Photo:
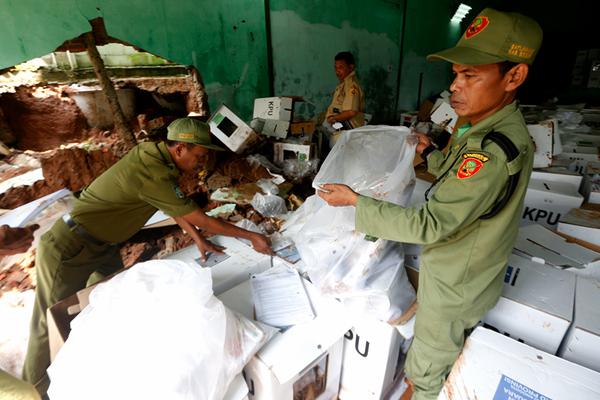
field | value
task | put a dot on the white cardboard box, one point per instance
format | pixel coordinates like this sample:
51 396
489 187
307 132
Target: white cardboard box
546 201
274 108
581 224
558 174
543 137
242 263
290 358
371 355
231 130
546 247
492 366
283 151
536 305
582 342
238 390
444 115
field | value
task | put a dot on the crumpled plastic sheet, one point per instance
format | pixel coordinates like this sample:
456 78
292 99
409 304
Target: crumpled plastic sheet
268 205
367 274
155 331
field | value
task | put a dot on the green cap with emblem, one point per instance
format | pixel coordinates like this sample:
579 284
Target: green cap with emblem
494 37
190 130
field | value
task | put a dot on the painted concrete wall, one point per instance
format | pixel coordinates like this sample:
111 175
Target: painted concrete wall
227 41
428 29
224 39
307 35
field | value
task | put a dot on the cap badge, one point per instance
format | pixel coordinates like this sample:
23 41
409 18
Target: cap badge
478 25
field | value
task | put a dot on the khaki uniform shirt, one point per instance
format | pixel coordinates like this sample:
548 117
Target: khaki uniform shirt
464 257
348 96
118 203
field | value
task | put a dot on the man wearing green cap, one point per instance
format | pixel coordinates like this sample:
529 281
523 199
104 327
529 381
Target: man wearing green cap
83 246
469 224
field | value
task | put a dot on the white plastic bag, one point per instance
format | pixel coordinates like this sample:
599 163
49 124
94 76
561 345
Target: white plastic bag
367 274
154 332
268 205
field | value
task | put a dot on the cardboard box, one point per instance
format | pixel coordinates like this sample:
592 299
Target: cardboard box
558 174
285 151
231 130
275 128
242 263
492 366
546 201
546 247
581 224
594 75
582 342
536 305
372 351
302 127
408 118
274 108
444 115
304 358
542 135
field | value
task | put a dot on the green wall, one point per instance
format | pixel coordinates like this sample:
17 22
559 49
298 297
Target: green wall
227 41
307 36
428 29
224 39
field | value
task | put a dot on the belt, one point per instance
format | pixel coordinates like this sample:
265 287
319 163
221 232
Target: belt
80 231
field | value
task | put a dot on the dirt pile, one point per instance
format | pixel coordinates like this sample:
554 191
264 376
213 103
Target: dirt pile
72 168
42 117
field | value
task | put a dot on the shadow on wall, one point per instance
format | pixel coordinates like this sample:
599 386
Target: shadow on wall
379 96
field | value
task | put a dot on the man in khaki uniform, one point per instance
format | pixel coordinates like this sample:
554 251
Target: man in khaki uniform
348 103
469 225
83 247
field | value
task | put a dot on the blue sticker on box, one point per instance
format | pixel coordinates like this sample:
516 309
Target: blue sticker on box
509 389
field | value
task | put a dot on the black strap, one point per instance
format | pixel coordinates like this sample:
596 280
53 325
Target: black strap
511 152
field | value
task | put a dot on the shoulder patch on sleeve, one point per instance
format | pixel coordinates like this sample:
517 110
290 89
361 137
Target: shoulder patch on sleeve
472 164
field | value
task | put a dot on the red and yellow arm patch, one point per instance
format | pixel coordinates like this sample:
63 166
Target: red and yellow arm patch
472 164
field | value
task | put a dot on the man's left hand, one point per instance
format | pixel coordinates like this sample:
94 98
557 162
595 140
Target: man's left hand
337 195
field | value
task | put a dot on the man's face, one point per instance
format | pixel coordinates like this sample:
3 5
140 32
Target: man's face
342 69
194 158
478 91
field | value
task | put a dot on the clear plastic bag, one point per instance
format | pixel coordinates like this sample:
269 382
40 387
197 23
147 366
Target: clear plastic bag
367 275
268 205
154 332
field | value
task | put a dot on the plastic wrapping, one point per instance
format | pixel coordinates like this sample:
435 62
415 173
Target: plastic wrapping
154 332
298 169
268 205
267 186
367 274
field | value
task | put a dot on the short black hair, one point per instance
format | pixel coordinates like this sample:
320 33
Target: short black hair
506 66
345 56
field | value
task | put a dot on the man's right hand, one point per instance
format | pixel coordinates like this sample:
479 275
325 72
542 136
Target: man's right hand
262 244
424 142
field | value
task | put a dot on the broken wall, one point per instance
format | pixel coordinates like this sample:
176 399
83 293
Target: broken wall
227 42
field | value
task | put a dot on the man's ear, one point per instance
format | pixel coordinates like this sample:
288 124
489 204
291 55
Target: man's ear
515 77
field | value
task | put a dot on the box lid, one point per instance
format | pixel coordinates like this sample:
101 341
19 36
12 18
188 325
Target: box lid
289 352
580 217
587 312
543 245
539 286
492 366
557 189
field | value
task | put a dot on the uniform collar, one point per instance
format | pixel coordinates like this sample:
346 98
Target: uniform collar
490 121
350 76
164 152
